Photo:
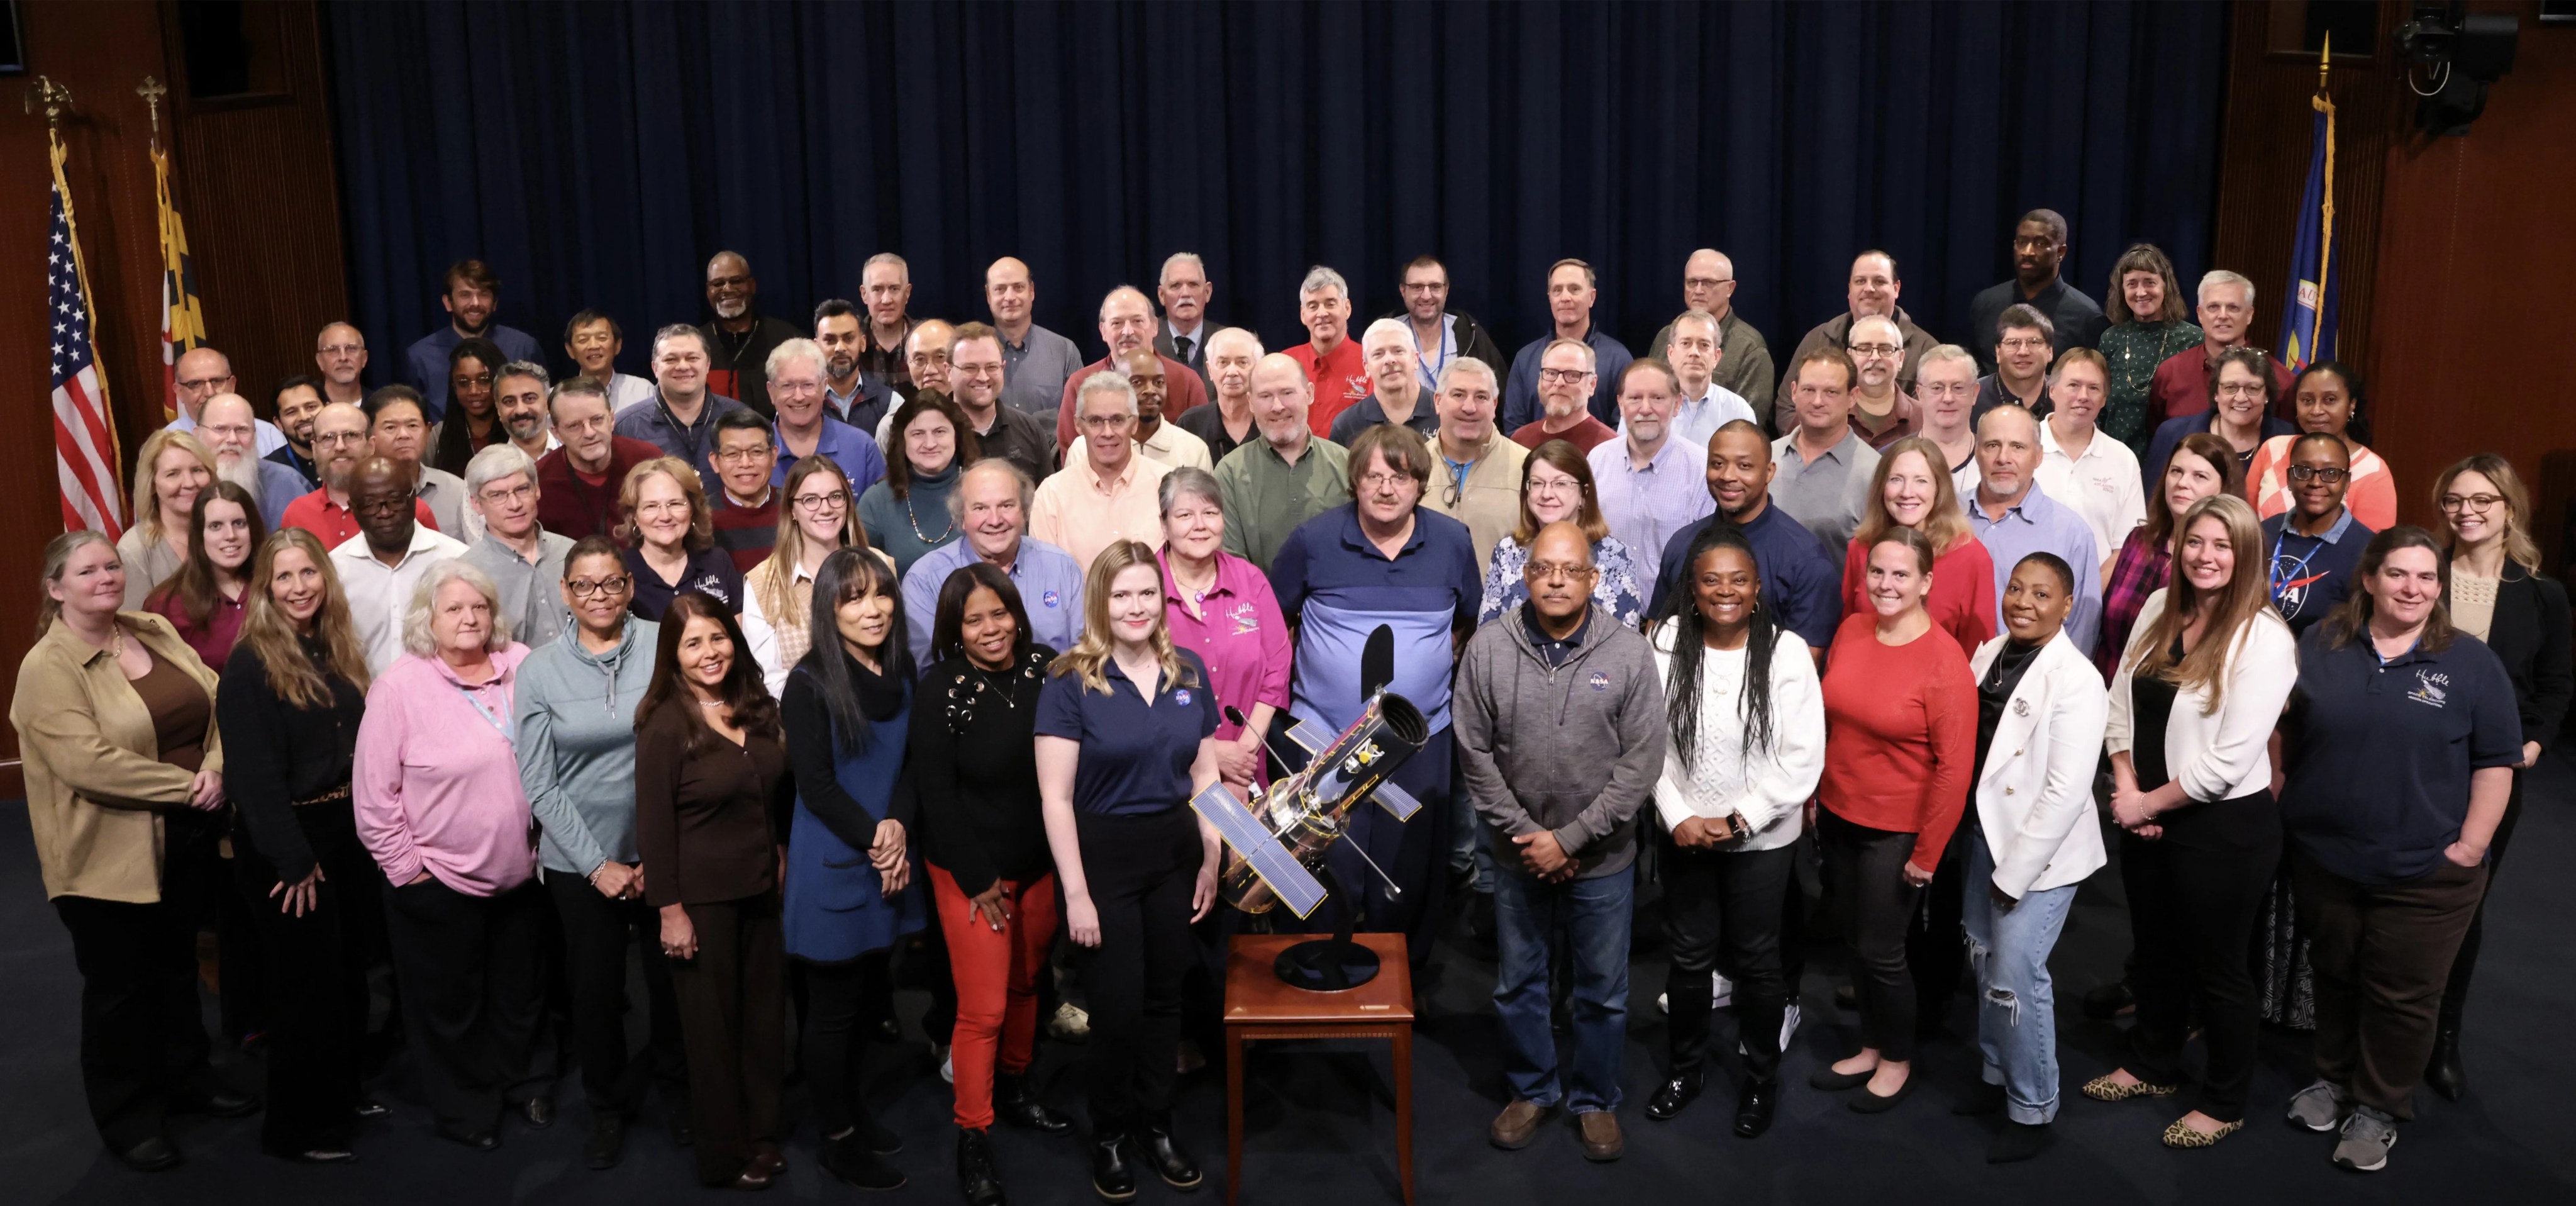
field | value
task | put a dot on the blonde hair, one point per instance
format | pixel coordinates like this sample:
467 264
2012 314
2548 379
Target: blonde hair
702 523
1946 527
773 581
2244 601
1089 656
271 636
2518 544
147 463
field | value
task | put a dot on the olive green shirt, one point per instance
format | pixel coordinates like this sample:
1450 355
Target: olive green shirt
1266 498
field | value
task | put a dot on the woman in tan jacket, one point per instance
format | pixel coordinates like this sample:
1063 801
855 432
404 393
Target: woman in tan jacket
115 720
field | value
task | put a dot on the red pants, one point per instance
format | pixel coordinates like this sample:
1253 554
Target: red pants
997 984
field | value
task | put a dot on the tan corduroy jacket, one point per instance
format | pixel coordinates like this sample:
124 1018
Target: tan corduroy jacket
1490 505
96 786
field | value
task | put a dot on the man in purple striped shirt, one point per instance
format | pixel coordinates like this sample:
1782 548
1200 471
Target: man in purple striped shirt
1650 485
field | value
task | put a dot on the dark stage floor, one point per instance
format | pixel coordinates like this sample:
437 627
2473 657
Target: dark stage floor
1322 1130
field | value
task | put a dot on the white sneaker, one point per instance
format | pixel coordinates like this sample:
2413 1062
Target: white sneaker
1070 1023
1788 1024
1721 991
947 1064
1663 1002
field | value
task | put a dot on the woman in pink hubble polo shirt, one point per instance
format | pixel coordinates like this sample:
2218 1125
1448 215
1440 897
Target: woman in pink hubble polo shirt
440 806
1220 607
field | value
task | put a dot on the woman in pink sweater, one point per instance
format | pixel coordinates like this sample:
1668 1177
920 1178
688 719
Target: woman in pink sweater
440 806
1900 735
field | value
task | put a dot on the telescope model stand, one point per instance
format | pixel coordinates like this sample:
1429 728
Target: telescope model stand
1334 964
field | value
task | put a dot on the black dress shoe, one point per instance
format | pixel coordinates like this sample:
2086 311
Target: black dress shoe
1171 1162
2443 1073
1981 1100
325 1155
1830 1081
481 1141
1871 1103
217 1102
370 1110
1113 1167
979 1178
607 1142
1678 1090
1754 1105
1016 1103
879 1141
155 1154
849 1159
2018 1141
539 1111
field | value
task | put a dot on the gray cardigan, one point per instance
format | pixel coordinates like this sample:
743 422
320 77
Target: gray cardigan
1573 751
577 746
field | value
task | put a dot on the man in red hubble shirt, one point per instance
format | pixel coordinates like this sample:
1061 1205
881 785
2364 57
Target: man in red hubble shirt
1330 356
1126 324
2226 312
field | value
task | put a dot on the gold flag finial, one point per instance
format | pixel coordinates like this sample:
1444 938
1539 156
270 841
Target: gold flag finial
152 90
55 99
2325 61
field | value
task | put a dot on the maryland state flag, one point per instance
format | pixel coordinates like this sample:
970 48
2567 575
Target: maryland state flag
2308 321
183 318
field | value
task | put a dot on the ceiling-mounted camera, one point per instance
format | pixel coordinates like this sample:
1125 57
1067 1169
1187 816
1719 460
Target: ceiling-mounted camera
2451 56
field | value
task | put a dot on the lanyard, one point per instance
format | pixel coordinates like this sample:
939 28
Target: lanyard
505 726
1432 364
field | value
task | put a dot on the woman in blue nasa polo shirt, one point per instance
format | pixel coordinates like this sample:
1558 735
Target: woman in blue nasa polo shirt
1123 733
2400 742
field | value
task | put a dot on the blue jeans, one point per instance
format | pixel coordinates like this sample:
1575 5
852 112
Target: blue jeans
1594 915
2016 1001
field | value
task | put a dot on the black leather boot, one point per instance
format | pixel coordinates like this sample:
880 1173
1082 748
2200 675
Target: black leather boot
1754 1105
2443 1073
1165 1153
978 1177
1113 1166
1678 1090
1016 1103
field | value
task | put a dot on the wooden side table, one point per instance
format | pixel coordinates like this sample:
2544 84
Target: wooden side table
1258 1007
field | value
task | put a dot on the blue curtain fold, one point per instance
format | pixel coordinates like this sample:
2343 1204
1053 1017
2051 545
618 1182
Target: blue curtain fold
596 154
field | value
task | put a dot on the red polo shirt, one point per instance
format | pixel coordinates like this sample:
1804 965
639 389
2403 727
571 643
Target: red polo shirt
333 523
1339 378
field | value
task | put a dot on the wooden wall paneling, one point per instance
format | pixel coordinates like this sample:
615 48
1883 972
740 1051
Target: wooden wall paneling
259 189
2477 242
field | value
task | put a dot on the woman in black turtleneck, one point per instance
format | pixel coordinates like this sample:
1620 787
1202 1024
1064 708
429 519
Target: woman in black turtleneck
974 768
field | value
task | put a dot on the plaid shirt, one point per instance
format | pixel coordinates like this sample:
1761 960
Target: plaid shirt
2141 571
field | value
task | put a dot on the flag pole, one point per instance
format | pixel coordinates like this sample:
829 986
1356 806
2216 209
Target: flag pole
57 102
2324 103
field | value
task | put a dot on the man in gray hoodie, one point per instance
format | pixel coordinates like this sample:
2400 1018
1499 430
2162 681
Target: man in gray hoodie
1560 723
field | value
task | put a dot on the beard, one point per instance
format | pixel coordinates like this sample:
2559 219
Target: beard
840 365
242 470
731 309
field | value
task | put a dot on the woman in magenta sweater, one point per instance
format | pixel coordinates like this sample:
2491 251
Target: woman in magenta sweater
1900 734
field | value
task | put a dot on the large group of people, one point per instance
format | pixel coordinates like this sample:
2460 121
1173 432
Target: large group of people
903 644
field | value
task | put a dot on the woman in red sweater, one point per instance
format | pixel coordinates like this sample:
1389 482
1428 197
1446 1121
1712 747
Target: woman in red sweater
1900 735
1910 490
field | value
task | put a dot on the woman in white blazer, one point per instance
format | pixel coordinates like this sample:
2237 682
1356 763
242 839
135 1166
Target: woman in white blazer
1747 718
2030 839
2208 669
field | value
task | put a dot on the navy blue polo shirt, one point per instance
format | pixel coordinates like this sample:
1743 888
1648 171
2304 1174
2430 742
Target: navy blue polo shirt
2312 575
1335 587
2380 755
1136 755
1801 581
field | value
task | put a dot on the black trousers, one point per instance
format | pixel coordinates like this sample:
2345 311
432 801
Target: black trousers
316 990
733 1019
1936 949
596 931
1877 905
2194 896
1723 912
473 976
2455 996
142 1042
1140 870
198 880
840 1010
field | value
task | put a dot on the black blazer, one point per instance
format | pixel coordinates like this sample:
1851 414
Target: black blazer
2530 634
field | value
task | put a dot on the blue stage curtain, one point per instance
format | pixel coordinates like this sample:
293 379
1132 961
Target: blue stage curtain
597 154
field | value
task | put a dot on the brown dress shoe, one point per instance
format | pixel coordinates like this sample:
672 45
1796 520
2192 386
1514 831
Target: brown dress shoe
1601 1141
1517 1124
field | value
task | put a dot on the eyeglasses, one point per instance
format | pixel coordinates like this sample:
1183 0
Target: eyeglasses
1704 282
1875 349
2024 343
1383 480
1563 376
333 439
2470 502
376 505
2311 473
741 456
1553 571
821 502
517 493
585 588
343 349
1105 422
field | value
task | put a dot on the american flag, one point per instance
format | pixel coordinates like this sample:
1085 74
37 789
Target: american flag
84 446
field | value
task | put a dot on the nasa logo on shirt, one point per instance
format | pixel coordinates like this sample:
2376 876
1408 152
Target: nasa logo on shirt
1181 697
1049 598
1600 681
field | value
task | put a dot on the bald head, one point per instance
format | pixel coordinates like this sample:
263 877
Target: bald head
1231 353
1559 574
380 496
201 373
1126 320
730 287
1280 395
224 422
925 353
1708 281
1011 293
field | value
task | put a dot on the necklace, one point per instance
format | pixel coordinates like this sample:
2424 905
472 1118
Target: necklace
914 519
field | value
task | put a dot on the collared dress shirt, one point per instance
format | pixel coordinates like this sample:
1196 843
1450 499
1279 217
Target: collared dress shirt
1079 511
1828 494
1699 418
1171 446
2040 524
855 451
2103 486
379 594
531 591
1035 369
1049 582
1237 629
1645 506
1339 377
1266 498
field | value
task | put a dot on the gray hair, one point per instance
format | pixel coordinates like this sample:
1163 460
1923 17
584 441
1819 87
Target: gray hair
1942 354
993 464
675 331
1189 481
1391 326
888 257
416 637
525 368
1107 383
1319 278
2221 276
1190 258
792 350
583 386
1467 364
497 462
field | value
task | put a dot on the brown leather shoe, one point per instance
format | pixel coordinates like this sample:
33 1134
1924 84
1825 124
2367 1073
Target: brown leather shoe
1518 1124
1601 1141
